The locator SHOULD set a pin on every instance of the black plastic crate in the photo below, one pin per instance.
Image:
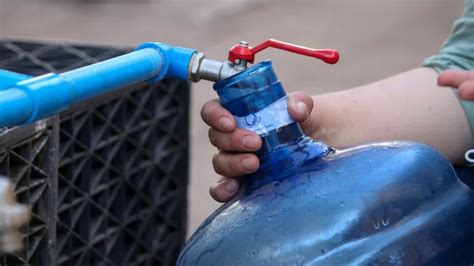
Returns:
(106, 180)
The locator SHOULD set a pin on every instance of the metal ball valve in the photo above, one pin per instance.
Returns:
(241, 54)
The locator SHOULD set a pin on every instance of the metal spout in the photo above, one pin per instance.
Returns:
(213, 70)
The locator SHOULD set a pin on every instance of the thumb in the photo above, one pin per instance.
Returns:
(300, 106)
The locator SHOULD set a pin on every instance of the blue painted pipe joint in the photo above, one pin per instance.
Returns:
(176, 60)
(31, 99)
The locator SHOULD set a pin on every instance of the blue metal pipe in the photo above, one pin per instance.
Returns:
(28, 100)
(119, 72)
(9, 78)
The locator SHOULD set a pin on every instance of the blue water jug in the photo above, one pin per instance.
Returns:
(392, 203)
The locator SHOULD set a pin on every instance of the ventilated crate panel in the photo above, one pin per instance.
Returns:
(107, 179)
(28, 161)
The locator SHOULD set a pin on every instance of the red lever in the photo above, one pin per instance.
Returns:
(243, 52)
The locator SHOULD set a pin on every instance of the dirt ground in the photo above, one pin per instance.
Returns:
(376, 38)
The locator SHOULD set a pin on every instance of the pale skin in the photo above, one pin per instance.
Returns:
(415, 105)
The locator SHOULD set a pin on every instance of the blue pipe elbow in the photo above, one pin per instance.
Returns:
(176, 60)
(31, 99)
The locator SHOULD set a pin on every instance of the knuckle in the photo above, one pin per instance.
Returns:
(204, 109)
(214, 192)
(467, 85)
(220, 140)
(212, 188)
(218, 193)
(212, 137)
(243, 140)
(235, 165)
(235, 141)
(217, 163)
(227, 164)
(470, 75)
(208, 110)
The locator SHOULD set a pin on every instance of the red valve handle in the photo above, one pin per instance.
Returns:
(243, 52)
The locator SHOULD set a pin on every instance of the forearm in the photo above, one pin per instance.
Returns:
(409, 106)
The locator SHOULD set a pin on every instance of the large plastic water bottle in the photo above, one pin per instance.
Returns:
(393, 203)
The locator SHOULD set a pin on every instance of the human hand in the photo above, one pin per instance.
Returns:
(235, 157)
(462, 80)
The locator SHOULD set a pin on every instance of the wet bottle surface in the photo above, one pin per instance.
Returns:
(397, 203)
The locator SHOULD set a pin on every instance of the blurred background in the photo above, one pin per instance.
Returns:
(376, 38)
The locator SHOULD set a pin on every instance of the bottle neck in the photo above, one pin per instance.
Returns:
(259, 103)
(272, 122)
(284, 153)
(281, 136)
(289, 141)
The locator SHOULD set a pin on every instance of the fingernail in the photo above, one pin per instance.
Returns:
(247, 163)
(301, 108)
(225, 123)
(250, 142)
(231, 187)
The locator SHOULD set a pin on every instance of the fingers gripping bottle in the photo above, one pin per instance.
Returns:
(392, 203)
